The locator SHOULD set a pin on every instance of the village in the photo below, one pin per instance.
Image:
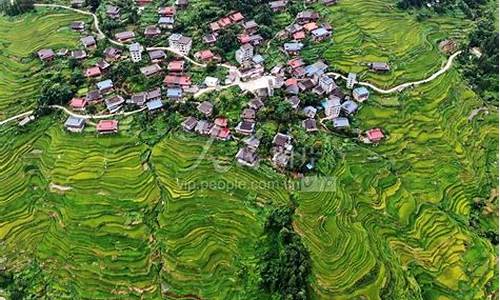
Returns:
(254, 74)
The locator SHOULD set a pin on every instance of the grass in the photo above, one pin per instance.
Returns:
(111, 217)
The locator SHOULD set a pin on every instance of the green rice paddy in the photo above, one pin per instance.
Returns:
(113, 218)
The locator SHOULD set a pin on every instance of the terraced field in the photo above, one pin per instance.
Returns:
(113, 218)
(20, 68)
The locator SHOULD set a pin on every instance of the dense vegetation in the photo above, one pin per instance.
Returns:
(284, 264)
(16, 7)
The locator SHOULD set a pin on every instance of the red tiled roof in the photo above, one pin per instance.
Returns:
(221, 121)
(311, 26)
(166, 11)
(291, 81)
(177, 80)
(296, 62)
(205, 54)
(244, 38)
(93, 72)
(236, 17)
(224, 133)
(78, 103)
(176, 66)
(107, 125)
(375, 134)
(224, 22)
(300, 35)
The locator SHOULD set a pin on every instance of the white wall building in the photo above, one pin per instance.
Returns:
(244, 53)
(180, 43)
(135, 50)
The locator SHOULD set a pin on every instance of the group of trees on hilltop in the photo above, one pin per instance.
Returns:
(17, 7)
(285, 264)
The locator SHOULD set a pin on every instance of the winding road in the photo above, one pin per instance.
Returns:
(243, 85)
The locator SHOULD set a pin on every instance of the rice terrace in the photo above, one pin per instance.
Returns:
(249, 149)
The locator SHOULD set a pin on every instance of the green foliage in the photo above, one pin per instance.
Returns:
(54, 91)
(284, 265)
(17, 7)
(29, 283)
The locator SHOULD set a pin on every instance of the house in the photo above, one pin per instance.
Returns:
(205, 108)
(62, 52)
(175, 81)
(157, 56)
(174, 93)
(189, 124)
(294, 101)
(135, 50)
(203, 127)
(181, 4)
(329, 2)
(211, 81)
(138, 99)
(77, 3)
(112, 54)
(255, 104)
(210, 39)
(349, 107)
(224, 22)
(340, 123)
(74, 124)
(245, 127)
(78, 104)
(309, 111)
(295, 63)
(88, 42)
(360, 94)
(152, 31)
(107, 126)
(280, 159)
(93, 72)
(320, 34)
(248, 114)
(306, 84)
(214, 27)
(293, 48)
(78, 26)
(327, 84)
(448, 46)
(293, 28)
(250, 27)
(351, 80)
(379, 67)
(224, 134)
(180, 43)
(93, 96)
(307, 16)
(310, 26)
(176, 66)
(299, 36)
(153, 95)
(150, 70)
(113, 12)
(252, 142)
(247, 157)
(292, 89)
(258, 59)
(114, 103)
(105, 86)
(221, 122)
(332, 107)
(277, 6)
(102, 65)
(125, 36)
(167, 11)
(26, 120)
(374, 135)
(251, 72)
(154, 105)
(244, 53)
(79, 54)
(236, 17)
(282, 141)
(254, 39)
(166, 22)
(143, 2)
(316, 70)
(46, 54)
(204, 55)
(309, 125)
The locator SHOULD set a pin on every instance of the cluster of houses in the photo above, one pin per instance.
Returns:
(294, 78)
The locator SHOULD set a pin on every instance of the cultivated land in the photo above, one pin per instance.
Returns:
(111, 217)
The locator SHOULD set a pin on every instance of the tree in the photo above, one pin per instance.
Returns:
(17, 7)
(54, 92)
(94, 4)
